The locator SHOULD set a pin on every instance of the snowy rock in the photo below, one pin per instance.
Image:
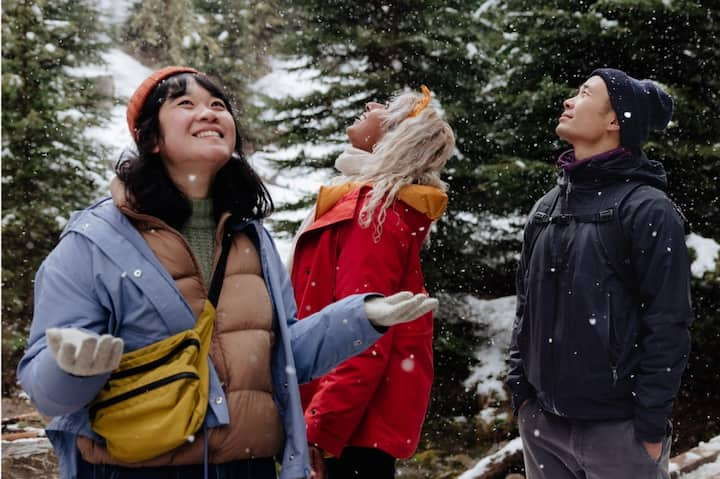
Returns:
(699, 462)
(490, 465)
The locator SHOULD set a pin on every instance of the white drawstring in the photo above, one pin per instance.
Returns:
(205, 450)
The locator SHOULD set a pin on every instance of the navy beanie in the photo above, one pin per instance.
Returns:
(640, 105)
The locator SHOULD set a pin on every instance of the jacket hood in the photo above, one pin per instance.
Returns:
(428, 200)
(609, 167)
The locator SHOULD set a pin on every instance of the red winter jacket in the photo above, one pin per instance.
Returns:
(379, 398)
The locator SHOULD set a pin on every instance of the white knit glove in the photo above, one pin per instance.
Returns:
(398, 308)
(84, 354)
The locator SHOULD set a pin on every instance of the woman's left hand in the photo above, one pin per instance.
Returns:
(398, 308)
(317, 464)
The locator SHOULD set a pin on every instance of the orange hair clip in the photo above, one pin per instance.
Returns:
(423, 103)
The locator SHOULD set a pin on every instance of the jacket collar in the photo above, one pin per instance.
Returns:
(610, 167)
(427, 200)
(121, 199)
(568, 162)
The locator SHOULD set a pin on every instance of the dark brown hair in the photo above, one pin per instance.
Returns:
(236, 187)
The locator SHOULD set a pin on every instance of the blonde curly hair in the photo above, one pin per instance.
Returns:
(413, 150)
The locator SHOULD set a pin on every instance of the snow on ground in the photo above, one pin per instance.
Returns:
(707, 250)
(289, 79)
(127, 74)
(114, 12)
(705, 452)
(496, 316)
(709, 470)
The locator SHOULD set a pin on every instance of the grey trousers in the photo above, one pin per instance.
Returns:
(557, 448)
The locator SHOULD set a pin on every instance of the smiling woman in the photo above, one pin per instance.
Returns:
(136, 271)
(185, 146)
(197, 137)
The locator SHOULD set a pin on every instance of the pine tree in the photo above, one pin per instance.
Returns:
(368, 51)
(49, 167)
(240, 33)
(228, 40)
(160, 31)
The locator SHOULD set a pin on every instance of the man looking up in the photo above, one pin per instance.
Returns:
(601, 336)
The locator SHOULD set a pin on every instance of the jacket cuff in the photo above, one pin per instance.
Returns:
(649, 426)
(325, 440)
(521, 391)
(56, 392)
(380, 329)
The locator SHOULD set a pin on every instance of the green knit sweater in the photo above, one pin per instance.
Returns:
(199, 231)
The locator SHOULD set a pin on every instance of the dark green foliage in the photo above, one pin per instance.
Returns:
(235, 44)
(49, 167)
(156, 29)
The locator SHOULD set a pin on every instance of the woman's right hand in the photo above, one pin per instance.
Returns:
(317, 464)
(84, 354)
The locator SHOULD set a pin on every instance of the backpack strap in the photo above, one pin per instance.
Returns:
(218, 277)
(219, 273)
(612, 237)
(540, 218)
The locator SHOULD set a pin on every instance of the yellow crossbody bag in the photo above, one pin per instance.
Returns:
(158, 396)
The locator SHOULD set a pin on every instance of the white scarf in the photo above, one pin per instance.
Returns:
(351, 162)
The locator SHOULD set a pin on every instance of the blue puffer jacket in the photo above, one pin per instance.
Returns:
(103, 274)
(586, 343)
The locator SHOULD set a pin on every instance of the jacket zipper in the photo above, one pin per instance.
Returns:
(612, 339)
(141, 390)
(568, 189)
(153, 364)
(614, 375)
(560, 265)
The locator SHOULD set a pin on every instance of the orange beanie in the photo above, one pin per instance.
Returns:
(137, 100)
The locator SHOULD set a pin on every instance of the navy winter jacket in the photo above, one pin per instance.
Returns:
(588, 343)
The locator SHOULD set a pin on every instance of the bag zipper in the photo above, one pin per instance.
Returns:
(153, 364)
(140, 390)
